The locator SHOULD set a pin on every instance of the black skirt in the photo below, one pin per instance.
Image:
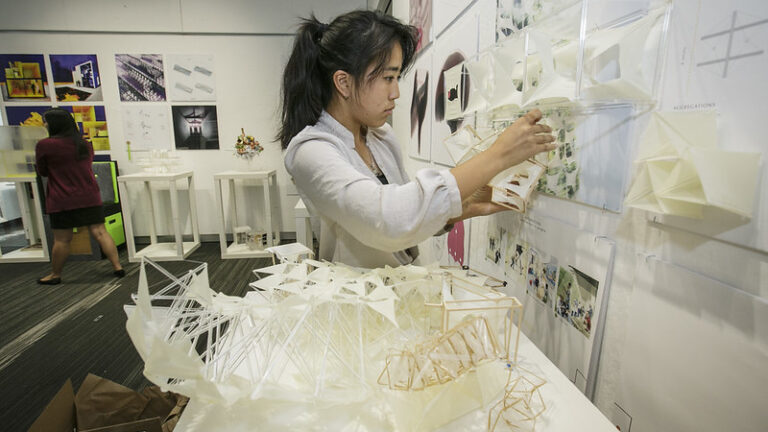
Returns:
(77, 217)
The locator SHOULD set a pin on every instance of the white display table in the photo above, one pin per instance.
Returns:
(32, 221)
(267, 180)
(567, 408)
(160, 251)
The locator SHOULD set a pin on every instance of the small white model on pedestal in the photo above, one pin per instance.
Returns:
(246, 242)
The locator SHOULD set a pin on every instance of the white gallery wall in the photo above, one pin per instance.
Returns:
(685, 343)
(250, 42)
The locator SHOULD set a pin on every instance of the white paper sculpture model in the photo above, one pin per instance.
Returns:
(306, 348)
(681, 170)
(513, 187)
(621, 62)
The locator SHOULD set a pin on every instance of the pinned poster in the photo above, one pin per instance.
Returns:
(191, 77)
(420, 81)
(23, 78)
(92, 121)
(451, 86)
(147, 127)
(420, 16)
(76, 77)
(140, 77)
(452, 248)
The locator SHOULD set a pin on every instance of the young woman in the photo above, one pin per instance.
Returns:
(72, 197)
(339, 87)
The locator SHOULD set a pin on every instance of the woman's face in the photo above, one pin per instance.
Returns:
(376, 98)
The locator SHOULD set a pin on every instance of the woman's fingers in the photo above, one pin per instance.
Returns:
(533, 116)
(543, 139)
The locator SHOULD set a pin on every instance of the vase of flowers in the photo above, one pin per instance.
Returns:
(246, 146)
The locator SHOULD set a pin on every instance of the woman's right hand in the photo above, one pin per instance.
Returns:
(525, 138)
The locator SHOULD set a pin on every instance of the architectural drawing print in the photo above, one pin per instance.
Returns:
(191, 77)
(731, 41)
(147, 127)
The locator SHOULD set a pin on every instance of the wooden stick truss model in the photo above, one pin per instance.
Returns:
(443, 358)
(468, 296)
(471, 317)
(522, 403)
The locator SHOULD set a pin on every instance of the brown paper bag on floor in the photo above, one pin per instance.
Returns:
(101, 402)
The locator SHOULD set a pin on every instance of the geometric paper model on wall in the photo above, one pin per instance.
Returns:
(622, 62)
(514, 15)
(681, 171)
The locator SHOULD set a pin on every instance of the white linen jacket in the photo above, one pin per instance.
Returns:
(362, 222)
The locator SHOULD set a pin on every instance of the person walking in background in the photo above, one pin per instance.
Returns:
(72, 197)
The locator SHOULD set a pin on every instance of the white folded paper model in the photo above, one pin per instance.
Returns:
(681, 170)
(513, 187)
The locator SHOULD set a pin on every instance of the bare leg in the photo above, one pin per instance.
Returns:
(61, 240)
(99, 232)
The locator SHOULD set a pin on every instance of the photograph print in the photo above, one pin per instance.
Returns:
(515, 261)
(575, 302)
(195, 127)
(541, 280)
(494, 251)
(76, 77)
(140, 77)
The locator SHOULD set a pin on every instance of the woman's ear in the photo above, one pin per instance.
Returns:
(343, 83)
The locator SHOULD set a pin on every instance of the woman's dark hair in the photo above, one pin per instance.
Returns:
(61, 124)
(352, 42)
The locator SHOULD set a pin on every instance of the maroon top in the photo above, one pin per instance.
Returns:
(71, 183)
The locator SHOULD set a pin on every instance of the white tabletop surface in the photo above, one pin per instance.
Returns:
(145, 176)
(243, 174)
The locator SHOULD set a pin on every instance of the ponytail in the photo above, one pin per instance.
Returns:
(305, 94)
(352, 42)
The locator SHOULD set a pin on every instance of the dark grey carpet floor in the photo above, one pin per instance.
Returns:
(51, 333)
